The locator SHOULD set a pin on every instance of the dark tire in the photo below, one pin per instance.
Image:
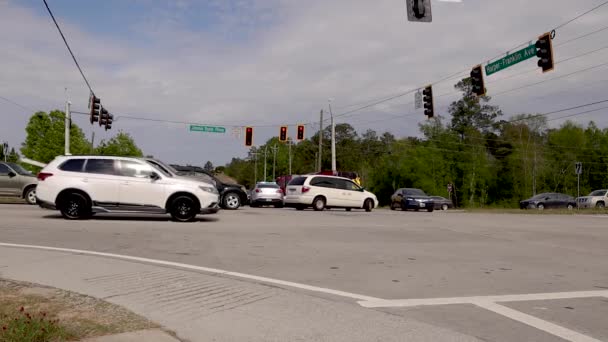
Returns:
(300, 208)
(184, 208)
(444, 207)
(318, 204)
(570, 206)
(278, 205)
(368, 205)
(600, 205)
(403, 206)
(30, 195)
(253, 205)
(75, 206)
(231, 201)
(540, 206)
(394, 206)
(349, 209)
(430, 210)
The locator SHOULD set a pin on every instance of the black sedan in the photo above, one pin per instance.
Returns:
(549, 200)
(409, 198)
(442, 203)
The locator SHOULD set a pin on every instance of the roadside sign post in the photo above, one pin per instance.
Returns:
(511, 59)
(578, 168)
(208, 129)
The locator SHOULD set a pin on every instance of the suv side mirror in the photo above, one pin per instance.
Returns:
(154, 176)
(11, 174)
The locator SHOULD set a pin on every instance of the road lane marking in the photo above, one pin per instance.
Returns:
(385, 303)
(201, 269)
(536, 322)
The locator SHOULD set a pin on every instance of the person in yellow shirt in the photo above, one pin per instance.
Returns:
(358, 181)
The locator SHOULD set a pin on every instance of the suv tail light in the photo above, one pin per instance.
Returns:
(257, 190)
(305, 189)
(44, 175)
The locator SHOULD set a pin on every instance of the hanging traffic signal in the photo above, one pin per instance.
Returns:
(300, 135)
(283, 134)
(103, 116)
(477, 82)
(248, 136)
(109, 119)
(427, 98)
(94, 106)
(545, 52)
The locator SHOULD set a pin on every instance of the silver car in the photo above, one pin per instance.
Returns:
(15, 181)
(266, 194)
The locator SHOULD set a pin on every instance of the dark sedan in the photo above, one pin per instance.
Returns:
(442, 203)
(409, 198)
(549, 200)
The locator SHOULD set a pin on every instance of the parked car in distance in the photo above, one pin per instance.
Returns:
(320, 192)
(79, 186)
(442, 203)
(266, 193)
(549, 200)
(15, 181)
(596, 199)
(411, 198)
(232, 196)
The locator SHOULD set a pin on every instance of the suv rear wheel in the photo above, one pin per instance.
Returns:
(184, 209)
(232, 201)
(75, 206)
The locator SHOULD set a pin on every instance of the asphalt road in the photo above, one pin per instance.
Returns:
(395, 256)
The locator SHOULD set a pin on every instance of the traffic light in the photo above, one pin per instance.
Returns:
(477, 82)
(283, 134)
(427, 98)
(103, 116)
(109, 119)
(94, 106)
(300, 132)
(419, 10)
(248, 136)
(545, 52)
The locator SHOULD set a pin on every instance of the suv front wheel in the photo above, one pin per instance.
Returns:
(75, 206)
(184, 209)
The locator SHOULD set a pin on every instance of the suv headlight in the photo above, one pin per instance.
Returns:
(209, 189)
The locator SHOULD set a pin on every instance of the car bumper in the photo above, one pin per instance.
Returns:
(211, 209)
(298, 201)
(419, 205)
(585, 205)
(45, 204)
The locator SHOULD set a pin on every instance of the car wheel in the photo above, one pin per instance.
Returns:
(403, 206)
(319, 204)
(394, 206)
(570, 206)
(348, 209)
(75, 206)
(184, 209)
(600, 205)
(300, 208)
(444, 207)
(232, 201)
(278, 205)
(430, 209)
(253, 205)
(368, 205)
(30, 195)
(540, 206)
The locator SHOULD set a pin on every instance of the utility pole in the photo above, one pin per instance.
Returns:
(255, 167)
(93, 139)
(68, 120)
(289, 142)
(320, 154)
(5, 150)
(333, 141)
(275, 148)
(265, 153)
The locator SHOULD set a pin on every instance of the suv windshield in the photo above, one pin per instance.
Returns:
(19, 169)
(598, 193)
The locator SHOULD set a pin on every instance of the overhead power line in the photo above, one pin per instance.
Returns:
(581, 15)
(16, 104)
(68, 46)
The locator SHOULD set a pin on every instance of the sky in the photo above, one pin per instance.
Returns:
(267, 63)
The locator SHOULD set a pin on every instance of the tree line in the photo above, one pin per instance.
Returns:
(490, 161)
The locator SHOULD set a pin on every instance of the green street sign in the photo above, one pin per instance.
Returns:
(208, 129)
(511, 59)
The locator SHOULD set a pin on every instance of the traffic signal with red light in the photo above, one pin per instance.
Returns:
(300, 135)
(283, 134)
(427, 98)
(545, 52)
(477, 82)
(248, 136)
(94, 106)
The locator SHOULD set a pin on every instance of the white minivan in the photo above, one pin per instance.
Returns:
(80, 186)
(320, 192)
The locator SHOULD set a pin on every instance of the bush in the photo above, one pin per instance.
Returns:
(25, 327)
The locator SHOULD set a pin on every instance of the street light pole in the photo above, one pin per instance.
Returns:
(274, 161)
(333, 141)
(68, 119)
(265, 153)
(289, 142)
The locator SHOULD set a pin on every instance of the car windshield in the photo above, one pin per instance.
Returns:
(414, 192)
(19, 169)
(598, 193)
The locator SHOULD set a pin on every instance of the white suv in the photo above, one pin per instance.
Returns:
(80, 186)
(322, 192)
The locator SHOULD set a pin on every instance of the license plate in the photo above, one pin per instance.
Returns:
(292, 189)
(422, 205)
(267, 199)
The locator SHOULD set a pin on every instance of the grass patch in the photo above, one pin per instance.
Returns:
(41, 314)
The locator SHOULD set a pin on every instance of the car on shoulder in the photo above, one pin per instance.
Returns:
(80, 186)
(442, 203)
(596, 199)
(321, 192)
(15, 181)
(265, 194)
(412, 199)
(549, 200)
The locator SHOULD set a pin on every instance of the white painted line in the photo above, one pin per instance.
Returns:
(200, 269)
(385, 303)
(536, 322)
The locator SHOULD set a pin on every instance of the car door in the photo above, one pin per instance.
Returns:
(552, 201)
(6, 181)
(328, 188)
(352, 194)
(137, 187)
(101, 181)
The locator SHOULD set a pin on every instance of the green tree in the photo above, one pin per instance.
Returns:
(120, 145)
(45, 137)
(208, 166)
(472, 112)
